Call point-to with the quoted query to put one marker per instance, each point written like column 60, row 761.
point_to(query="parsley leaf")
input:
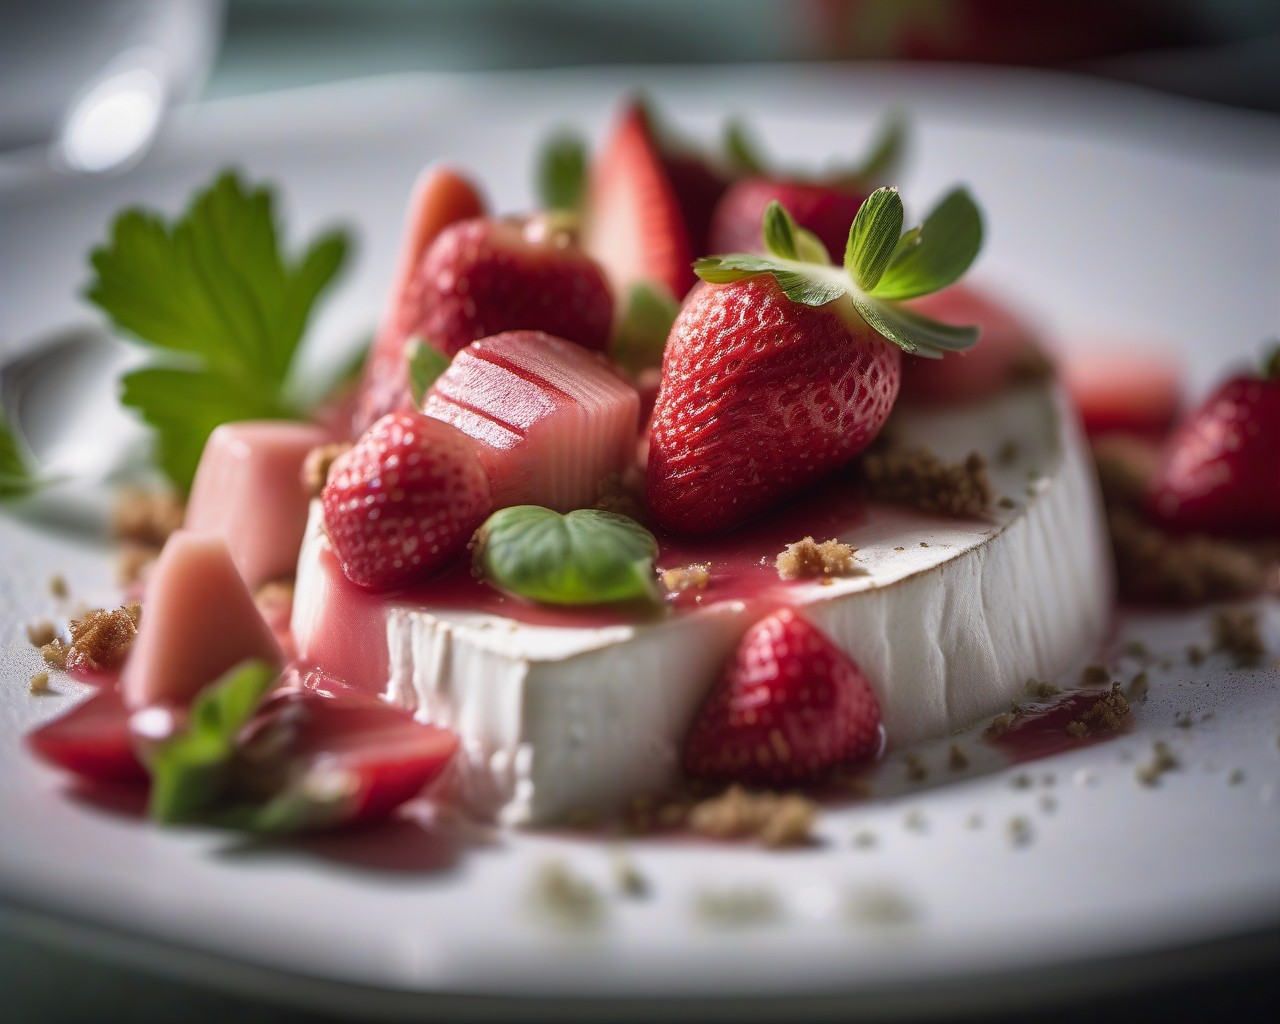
column 213, row 296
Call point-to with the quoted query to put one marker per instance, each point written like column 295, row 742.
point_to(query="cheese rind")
column 949, row 621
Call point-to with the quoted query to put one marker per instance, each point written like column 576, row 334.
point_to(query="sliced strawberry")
column 787, row 706
column 698, row 187
column 1119, row 392
column 826, row 210
column 1008, row 351
column 369, row 755
column 440, row 197
column 92, row 740
column 404, row 500
column 551, row 420
column 760, row 396
column 1221, row 468
column 634, row 225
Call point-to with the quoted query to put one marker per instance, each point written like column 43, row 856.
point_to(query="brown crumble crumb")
column 775, row 820
column 621, row 493
column 915, row 821
column 865, row 839
column 917, row 771
column 58, row 586
column 1048, row 803
column 1184, row 720
column 318, row 463
column 1104, row 715
column 689, row 577
column 1138, row 687
column 1031, row 366
column 1031, row 490
column 628, row 877
column 1019, row 831
column 917, row 477
column 1007, row 453
column 957, row 759
column 672, row 815
column 974, row 821
column 1043, row 689
column 899, row 549
column 582, row 817
column 805, row 558
column 101, row 639
column 40, row 683
column 1124, row 465
column 1207, row 716
column 1095, row 675
column 1162, row 760
column 55, row 654
column 880, row 906
column 1136, row 649
column 1236, row 777
column 924, row 544
column 1196, row 655
column 565, row 898
column 133, row 562
column 1007, row 502
column 1235, row 630
column 999, row 725
column 738, row 906
column 41, row 632
column 1021, row 781
column 146, row 517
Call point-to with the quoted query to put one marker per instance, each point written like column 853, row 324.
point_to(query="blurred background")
column 94, row 77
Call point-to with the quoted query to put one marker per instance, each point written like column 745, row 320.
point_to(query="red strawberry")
column 788, row 705
column 1221, row 469
column 698, row 187
column 826, row 210
column 760, row 396
column 440, row 198
column 404, row 500
column 634, row 225
column 1123, row 392
column 482, row 277
column 92, row 740
column 364, row 755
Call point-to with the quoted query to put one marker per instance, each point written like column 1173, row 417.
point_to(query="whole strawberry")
column 787, row 706
column 484, row 276
column 823, row 204
column 782, row 368
column 1221, row 468
column 404, row 500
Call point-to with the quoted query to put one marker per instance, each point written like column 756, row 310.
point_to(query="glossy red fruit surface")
column 826, row 210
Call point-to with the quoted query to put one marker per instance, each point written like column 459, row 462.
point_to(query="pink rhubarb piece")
column 551, row 419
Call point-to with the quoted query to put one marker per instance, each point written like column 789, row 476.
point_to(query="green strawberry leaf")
column 190, row 771
column 16, row 476
column 873, row 237
column 584, row 557
column 641, row 335
column 562, row 172
column 740, row 151
column 942, row 249
column 426, row 363
column 914, row 333
column 886, row 154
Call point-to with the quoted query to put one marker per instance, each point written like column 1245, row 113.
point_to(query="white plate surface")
column 1114, row 215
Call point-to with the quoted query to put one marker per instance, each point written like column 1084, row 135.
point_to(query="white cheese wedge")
column 948, row 623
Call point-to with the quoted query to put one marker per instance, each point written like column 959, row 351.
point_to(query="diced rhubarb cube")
column 248, row 491
column 198, row 620
column 551, row 420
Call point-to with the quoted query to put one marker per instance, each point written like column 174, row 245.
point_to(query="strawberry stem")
column 1271, row 362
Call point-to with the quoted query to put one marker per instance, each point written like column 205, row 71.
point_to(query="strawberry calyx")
column 1271, row 362
column 883, row 265
column 883, row 157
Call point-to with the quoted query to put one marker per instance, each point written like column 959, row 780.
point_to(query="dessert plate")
column 1116, row 216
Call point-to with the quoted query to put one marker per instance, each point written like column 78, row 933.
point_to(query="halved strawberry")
column 1221, row 468
column 788, row 705
column 1010, row 350
column 92, row 740
column 404, row 500
column 344, row 758
column 550, row 420
column 633, row 224
column 1124, row 392
column 440, row 197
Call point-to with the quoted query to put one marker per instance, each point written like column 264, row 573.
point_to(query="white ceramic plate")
column 1114, row 215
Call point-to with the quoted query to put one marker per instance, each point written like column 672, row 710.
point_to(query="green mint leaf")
column 16, row 477
column 946, row 245
column 740, row 151
column 562, row 172
column 779, row 232
column 189, row 772
column 212, row 294
column 641, row 335
column 913, row 332
column 584, row 557
column 426, row 363
column 873, row 237
column 885, row 155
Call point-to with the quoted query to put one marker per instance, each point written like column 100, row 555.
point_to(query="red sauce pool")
column 1042, row 732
